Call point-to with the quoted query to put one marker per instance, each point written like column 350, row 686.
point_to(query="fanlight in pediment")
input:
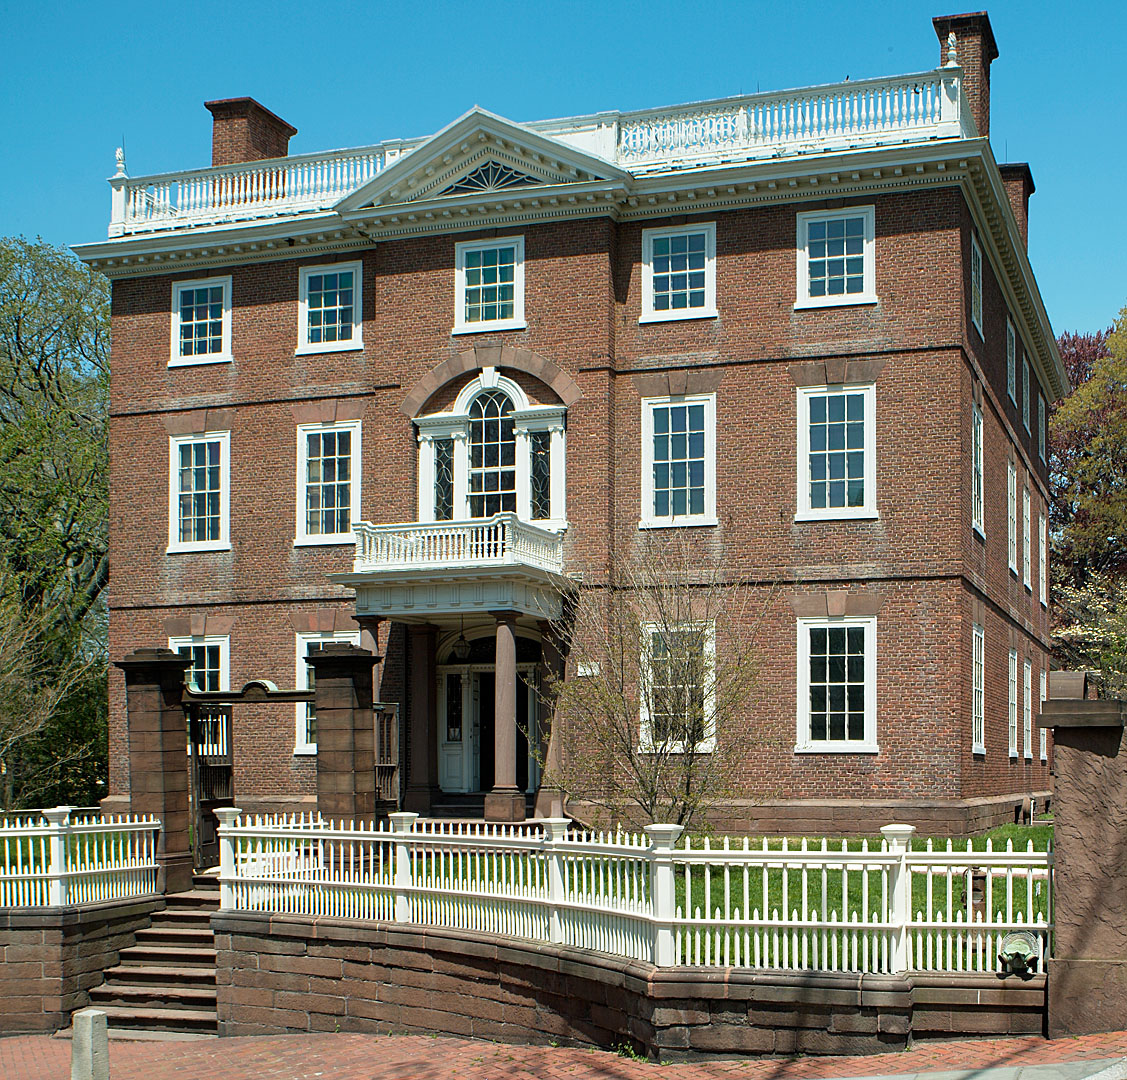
column 492, row 176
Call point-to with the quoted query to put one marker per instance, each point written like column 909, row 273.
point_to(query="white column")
column 900, row 893
column 228, row 817
column 663, row 891
column 402, row 824
column 57, row 870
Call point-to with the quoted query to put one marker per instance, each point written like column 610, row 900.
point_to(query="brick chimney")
column 1019, row 186
column 975, row 49
column 243, row 130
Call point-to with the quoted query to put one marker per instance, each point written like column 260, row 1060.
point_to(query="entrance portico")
column 489, row 586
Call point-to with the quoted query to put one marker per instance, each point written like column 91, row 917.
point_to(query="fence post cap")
column 58, row 815
column 663, row 836
column 402, row 821
column 892, row 833
column 227, row 815
column 555, row 828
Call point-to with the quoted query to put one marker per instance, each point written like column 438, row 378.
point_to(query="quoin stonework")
column 402, row 396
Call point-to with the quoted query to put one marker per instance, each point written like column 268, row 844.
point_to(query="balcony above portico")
column 425, row 571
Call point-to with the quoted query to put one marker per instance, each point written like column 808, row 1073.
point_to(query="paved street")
column 413, row 1057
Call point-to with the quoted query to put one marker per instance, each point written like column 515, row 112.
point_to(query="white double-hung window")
column 489, row 285
column 210, row 670
column 976, row 285
column 305, row 737
column 836, row 452
column 1027, row 709
column 679, row 273
column 978, row 690
column 678, row 461
column 328, row 482
column 837, row 678
column 677, row 698
column 1025, row 395
column 1011, row 362
column 1026, row 541
column 1044, row 694
column 836, row 259
column 1013, row 703
column 329, row 310
column 199, row 487
column 493, row 453
column 1043, row 560
column 1011, row 514
column 201, row 322
column 977, row 507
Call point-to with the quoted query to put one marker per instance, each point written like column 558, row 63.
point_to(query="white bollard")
column 90, row 1048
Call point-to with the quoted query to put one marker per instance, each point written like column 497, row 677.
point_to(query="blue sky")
column 78, row 77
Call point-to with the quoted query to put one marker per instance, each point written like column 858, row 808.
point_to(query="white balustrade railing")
column 48, row 860
column 501, row 540
column 872, row 112
column 906, row 108
column 841, row 906
column 256, row 189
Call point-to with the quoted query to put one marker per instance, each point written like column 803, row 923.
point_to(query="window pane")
column 328, row 487
column 828, row 272
column 836, row 679
column 672, row 257
column 329, row 308
column 679, row 460
column 836, row 439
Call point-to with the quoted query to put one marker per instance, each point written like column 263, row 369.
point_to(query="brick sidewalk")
column 417, row 1057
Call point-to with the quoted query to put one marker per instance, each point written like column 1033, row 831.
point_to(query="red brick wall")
column 583, row 298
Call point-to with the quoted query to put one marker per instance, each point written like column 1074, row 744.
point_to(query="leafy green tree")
column 1088, row 451
column 54, row 564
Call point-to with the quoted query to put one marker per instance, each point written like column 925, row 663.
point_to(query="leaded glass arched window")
column 493, row 455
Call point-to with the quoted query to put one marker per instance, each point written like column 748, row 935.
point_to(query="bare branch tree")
column 654, row 720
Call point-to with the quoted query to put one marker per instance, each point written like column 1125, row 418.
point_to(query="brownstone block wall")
column 280, row 974
column 51, row 959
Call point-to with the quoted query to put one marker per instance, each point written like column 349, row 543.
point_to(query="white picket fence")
column 48, row 860
column 829, row 907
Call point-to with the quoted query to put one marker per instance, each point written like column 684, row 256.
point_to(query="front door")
column 466, row 732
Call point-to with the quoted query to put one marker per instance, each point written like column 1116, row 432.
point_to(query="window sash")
column 489, row 285
column 976, row 284
column 1011, row 514
column 1026, row 541
column 836, row 452
column 1027, row 709
column 977, row 490
column 1013, row 704
column 330, row 308
column 836, row 685
column 1025, row 402
column 836, row 260
column 328, row 482
column 201, row 322
column 679, row 273
column 1011, row 362
column 978, row 684
column 1043, row 559
column 679, row 461
column 1044, row 740
column 199, row 492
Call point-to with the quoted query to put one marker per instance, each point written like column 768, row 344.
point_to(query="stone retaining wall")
column 289, row 973
column 53, row 957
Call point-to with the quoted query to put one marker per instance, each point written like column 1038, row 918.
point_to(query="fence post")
column 900, row 893
column 58, row 819
column 663, row 891
column 402, row 824
column 555, row 831
column 228, row 818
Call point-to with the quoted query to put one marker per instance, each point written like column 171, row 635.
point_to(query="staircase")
column 166, row 982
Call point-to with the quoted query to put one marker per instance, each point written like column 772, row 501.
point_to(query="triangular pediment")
column 479, row 154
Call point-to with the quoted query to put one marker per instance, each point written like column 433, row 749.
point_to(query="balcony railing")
column 499, row 541
column 905, row 109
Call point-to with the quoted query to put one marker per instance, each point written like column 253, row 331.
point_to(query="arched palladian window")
column 494, row 452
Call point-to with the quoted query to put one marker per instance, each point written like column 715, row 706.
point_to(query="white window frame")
column 803, row 743
column 1027, row 709
column 805, row 511
column 223, row 543
column 1042, row 432
column 978, row 478
column 301, row 537
column 1011, row 514
column 517, row 322
column 1026, row 541
column 1011, row 360
column 304, row 346
column 225, row 355
column 222, row 640
column 1025, row 402
column 976, row 285
column 1044, row 740
column 646, row 743
column 527, row 418
column 648, row 519
column 978, row 690
column 868, row 294
column 1043, row 560
column 1013, row 704
column 649, row 313
column 301, row 679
